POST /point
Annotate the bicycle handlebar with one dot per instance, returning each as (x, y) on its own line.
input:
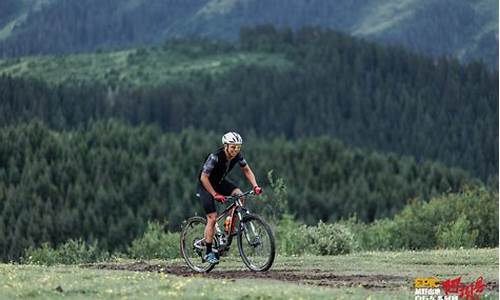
(236, 197)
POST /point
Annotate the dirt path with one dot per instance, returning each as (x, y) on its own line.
(313, 276)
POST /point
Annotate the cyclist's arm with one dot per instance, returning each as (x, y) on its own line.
(208, 166)
(206, 184)
(249, 175)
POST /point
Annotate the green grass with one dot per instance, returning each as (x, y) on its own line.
(21, 282)
(6, 30)
(384, 15)
(217, 7)
(468, 263)
(136, 67)
(73, 282)
(20, 17)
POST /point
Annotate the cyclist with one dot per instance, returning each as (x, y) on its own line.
(212, 184)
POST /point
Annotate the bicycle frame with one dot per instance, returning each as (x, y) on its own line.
(235, 208)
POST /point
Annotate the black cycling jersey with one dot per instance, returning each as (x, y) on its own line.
(217, 166)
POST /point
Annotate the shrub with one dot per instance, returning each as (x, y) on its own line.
(465, 219)
(457, 234)
(44, 255)
(330, 239)
(155, 243)
(292, 238)
(71, 252)
(77, 251)
(379, 235)
(273, 204)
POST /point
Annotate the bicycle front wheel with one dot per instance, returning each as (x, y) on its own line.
(256, 243)
(193, 244)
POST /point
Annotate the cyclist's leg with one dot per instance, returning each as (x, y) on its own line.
(209, 206)
(230, 189)
(209, 229)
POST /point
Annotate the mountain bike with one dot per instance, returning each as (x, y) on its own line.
(255, 238)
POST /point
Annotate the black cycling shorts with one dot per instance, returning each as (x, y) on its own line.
(225, 188)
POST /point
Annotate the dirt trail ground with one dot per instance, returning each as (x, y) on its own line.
(311, 276)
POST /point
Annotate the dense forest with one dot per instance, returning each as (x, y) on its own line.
(105, 181)
(466, 30)
(380, 98)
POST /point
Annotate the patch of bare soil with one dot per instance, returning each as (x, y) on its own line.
(313, 276)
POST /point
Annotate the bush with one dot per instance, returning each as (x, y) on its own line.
(71, 252)
(155, 243)
(330, 239)
(45, 255)
(292, 238)
(378, 235)
(274, 202)
(457, 234)
(465, 219)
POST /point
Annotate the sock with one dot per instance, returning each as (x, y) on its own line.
(209, 247)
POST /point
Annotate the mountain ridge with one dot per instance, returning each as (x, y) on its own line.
(464, 30)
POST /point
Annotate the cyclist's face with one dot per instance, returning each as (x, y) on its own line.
(233, 150)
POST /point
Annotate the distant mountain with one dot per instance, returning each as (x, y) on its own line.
(467, 30)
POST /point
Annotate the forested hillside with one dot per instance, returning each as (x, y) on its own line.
(466, 30)
(105, 181)
(142, 67)
(313, 82)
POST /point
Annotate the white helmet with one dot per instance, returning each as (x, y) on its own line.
(232, 138)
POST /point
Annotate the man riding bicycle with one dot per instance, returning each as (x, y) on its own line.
(212, 184)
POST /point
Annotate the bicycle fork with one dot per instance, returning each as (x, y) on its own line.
(249, 231)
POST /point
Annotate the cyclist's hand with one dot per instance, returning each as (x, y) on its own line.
(257, 189)
(219, 198)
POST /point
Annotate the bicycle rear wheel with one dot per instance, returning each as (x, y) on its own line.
(193, 244)
(256, 243)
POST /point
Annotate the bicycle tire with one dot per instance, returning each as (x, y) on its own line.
(245, 245)
(189, 253)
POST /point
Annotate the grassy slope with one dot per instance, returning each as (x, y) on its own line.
(381, 19)
(216, 7)
(151, 66)
(381, 16)
(37, 282)
(394, 20)
(20, 16)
